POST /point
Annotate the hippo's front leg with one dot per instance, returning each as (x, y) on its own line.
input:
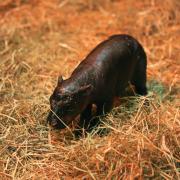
(102, 109)
(85, 118)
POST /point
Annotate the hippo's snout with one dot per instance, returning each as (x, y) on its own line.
(54, 121)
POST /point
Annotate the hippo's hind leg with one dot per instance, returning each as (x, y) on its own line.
(139, 75)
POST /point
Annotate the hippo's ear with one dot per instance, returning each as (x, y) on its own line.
(85, 90)
(60, 80)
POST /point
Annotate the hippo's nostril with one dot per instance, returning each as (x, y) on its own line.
(54, 122)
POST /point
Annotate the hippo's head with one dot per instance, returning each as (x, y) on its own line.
(67, 103)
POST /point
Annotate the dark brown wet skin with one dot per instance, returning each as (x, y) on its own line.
(101, 76)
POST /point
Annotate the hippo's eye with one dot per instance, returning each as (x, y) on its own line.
(67, 109)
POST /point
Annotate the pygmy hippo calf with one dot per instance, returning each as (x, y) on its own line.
(101, 76)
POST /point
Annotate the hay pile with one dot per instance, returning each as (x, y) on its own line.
(40, 40)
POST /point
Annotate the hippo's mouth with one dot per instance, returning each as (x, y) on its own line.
(57, 125)
(57, 122)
